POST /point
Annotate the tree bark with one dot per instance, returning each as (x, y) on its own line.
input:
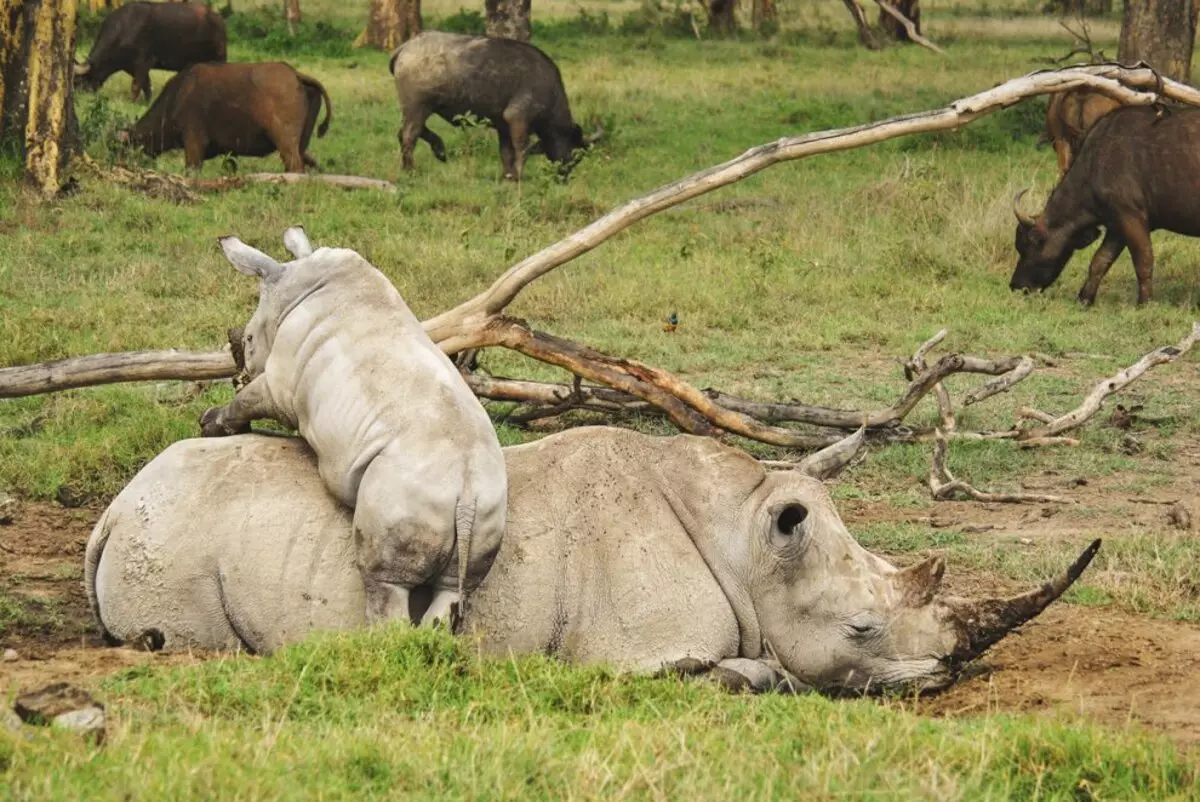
(1161, 33)
(390, 23)
(763, 16)
(508, 19)
(893, 27)
(721, 16)
(37, 46)
(291, 11)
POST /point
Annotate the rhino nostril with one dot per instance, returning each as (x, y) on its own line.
(791, 517)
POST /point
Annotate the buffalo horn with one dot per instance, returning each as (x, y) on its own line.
(831, 460)
(1022, 218)
(983, 623)
(595, 136)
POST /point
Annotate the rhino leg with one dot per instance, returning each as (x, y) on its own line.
(440, 608)
(252, 402)
(756, 676)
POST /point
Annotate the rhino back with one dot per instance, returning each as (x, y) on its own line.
(359, 373)
(225, 543)
(595, 566)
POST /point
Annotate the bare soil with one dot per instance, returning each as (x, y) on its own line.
(1101, 663)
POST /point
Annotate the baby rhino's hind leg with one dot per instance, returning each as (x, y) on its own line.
(403, 540)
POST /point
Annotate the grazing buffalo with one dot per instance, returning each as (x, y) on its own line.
(512, 84)
(1070, 116)
(1135, 172)
(140, 37)
(244, 109)
(621, 548)
(333, 351)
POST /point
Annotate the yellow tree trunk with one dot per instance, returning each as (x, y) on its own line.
(390, 23)
(98, 5)
(291, 10)
(37, 42)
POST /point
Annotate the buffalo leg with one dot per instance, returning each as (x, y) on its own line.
(293, 162)
(1102, 260)
(252, 402)
(1063, 152)
(311, 162)
(1137, 236)
(141, 82)
(508, 154)
(519, 134)
(410, 132)
(435, 143)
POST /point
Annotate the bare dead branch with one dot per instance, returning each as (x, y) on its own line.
(1001, 384)
(460, 327)
(343, 181)
(87, 371)
(913, 33)
(944, 486)
(1095, 399)
(916, 366)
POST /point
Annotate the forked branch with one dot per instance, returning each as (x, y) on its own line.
(944, 486)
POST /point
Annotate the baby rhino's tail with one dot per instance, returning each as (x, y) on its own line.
(464, 525)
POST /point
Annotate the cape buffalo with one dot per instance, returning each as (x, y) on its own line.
(1069, 117)
(1135, 173)
(139, 37)
(333, 351)
(512, 84)
(244, 109)
(621, 548)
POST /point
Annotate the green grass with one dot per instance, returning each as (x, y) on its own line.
(414, 714)
(805, 281)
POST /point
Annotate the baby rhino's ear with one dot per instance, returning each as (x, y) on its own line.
(249, 261)
(296, 241)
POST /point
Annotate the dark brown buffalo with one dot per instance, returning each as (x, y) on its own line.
(1138, 170)
(243, 109)
(511, 84)
(1070, 116)
(139, 37)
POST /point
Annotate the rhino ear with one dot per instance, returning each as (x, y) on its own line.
(296, 241)
(249, 261)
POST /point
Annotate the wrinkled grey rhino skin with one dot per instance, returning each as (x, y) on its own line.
(621, 548)
(334, 351)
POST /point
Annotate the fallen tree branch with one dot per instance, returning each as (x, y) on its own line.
(1001, 384)
(1095, 399)
(342, 181)
(916, 366)
(909, 27)
(136, 366)
(944, 486)
(459, 328)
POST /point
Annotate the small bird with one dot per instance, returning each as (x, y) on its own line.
(672, 322)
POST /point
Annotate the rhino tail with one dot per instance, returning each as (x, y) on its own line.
(464, 526)
(308, 80)
(91, 565)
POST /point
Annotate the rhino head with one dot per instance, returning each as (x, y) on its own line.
(281, 287)
(836, 616)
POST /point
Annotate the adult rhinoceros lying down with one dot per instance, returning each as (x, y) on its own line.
(622, 548)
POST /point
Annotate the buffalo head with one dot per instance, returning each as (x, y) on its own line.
(1043, 249)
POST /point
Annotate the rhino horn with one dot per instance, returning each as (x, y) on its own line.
(1022, 217)
(296, 241)
(984, 623)
(82, 69)
(831, 460)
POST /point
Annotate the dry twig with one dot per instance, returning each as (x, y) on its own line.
(944, 486)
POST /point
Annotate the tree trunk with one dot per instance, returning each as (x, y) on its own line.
(99, 5)
(893, 27)
(291, 12)
(1160, 33)
(508, 19)
(37, 47)
(721, 17)
(764, 17)
(391, 23)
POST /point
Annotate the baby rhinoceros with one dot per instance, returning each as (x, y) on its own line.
(334, 351)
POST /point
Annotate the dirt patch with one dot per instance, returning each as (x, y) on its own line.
(1103, 664)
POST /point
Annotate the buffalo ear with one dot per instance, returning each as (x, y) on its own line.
(1085, 238)
(249, 261)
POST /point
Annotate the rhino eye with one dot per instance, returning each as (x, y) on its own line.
(790, 518)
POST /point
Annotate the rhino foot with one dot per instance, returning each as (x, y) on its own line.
(212, 424)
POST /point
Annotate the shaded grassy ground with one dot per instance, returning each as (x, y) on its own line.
(805, 281)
